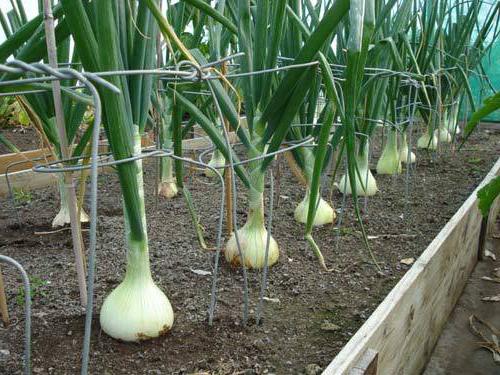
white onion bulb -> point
(324, 212)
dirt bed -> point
(23, 137)
(310, 314)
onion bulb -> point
(443, 135)
(366, 185)
(403, 153)
(63, 217)
(217, 161)
(389, 162)
(426, 142)
(324, 212)
(452, 119)
(252, 238)
(137, 309)
(167, 187)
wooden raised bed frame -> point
(22, 177)
(400, 335)
(398, 338)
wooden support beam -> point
(26, 179)
(296, 171)
(3, 302)
(27, 156)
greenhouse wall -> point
(481, 89)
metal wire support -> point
(263, 282)
(27, 312)
(235, 192)
(184, 72)
(409, 166)
(17, 67)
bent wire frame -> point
(184, 71)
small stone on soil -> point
(4, 354)
(329, 326)
(312, 369)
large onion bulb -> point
(324, 212)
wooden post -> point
(76, 232)
(277, 180)
(3, 302)
(228, 181)
(295, 168)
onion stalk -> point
(137, 309)
(452, 119)
(428, 142)
(167, 186)
(324, 212)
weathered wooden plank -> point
(406, 325)
(492, 217)
(200, 143)
(29, 180)
(7, 159)
(367, 365)
(4, 312)
(26, 180)
(491, 126)
(27, 157)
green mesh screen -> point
(480, 88)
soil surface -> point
(25, 138)
(458, 350)
(309, 313)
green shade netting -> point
(481, 88)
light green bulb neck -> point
(392, 141)
(256, 209)
(362, 157)
(137, 262)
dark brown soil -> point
(23, 137)
(306, 303)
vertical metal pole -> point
(158, 129)
(228, 176)
(68, 178)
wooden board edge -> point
(352, 352)
(29, 180)
(367, 365)
(25, 157)
(26, 180)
